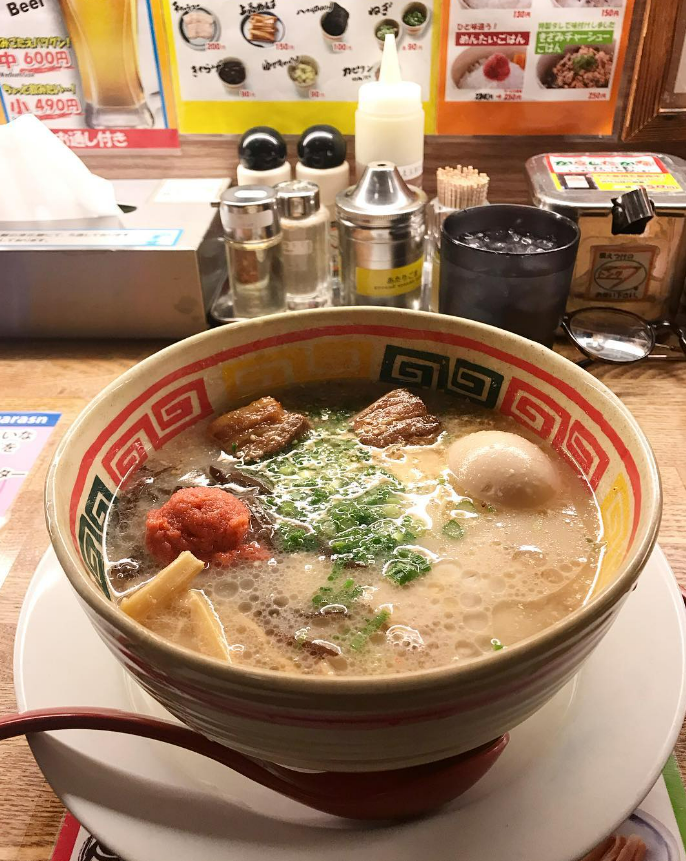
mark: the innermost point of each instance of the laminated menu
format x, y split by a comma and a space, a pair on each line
123, 73
516, 66
289, 62
22, 437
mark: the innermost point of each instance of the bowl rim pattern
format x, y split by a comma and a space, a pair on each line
536, 647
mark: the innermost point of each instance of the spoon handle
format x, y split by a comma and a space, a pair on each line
114, 720
381, 795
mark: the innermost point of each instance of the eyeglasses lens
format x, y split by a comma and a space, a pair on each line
611, 335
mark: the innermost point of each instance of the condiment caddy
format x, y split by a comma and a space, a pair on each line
631, 211
383, 240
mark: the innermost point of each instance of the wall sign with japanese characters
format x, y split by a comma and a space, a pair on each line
289, 63
90, 69
120, 73
514, 66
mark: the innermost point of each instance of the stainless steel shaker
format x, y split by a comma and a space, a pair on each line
381, 228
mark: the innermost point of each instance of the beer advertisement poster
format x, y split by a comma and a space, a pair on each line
92, 70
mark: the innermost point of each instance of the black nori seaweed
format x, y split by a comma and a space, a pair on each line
335, 20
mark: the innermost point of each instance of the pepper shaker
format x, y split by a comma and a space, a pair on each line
253, 238
305, 227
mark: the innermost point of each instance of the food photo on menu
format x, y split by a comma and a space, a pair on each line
342, 360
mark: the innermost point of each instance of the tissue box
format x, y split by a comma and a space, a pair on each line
151, 272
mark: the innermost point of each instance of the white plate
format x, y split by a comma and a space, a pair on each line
570, 775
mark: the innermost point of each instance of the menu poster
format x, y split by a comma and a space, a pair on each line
290, 63
22, 437
549, 67
90, 69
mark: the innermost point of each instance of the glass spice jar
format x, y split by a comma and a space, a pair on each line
253, 237
305, 227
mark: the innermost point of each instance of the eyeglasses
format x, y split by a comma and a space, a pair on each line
621, 337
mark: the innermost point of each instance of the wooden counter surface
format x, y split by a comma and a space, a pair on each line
64, 375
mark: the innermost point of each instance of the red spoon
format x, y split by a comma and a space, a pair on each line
399, 794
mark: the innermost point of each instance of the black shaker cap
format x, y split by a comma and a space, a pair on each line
262, 148
321, 147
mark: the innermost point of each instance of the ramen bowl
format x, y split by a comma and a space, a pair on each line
354, 723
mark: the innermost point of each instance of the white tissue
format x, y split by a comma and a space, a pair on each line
43, 180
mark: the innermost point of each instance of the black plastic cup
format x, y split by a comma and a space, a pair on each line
522, 293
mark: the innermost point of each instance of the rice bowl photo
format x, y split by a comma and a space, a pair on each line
578, 67
489, 69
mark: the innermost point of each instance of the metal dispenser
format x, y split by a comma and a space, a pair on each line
630, 208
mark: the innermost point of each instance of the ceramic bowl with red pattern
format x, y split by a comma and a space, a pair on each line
354, 723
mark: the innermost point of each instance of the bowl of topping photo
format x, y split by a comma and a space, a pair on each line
263, 29
386, 27
354, 540
232, 73
304, 71
489, 69
198, 27
415, 17
334, 23
578, 67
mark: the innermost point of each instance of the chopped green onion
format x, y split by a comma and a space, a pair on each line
496, 645
344, 596
288, 509
295, 538
584, 62
453, 530
405, 566
372, 626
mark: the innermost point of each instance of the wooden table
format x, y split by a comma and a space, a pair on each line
65, 375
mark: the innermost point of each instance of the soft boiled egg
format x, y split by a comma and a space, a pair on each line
503, 468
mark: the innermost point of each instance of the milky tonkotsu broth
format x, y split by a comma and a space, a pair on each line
479, 577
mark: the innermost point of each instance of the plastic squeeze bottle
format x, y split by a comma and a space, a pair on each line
389, 121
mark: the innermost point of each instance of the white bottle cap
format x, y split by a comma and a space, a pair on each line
390, 96
330, 181
246, 176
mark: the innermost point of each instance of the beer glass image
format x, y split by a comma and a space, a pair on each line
104, 34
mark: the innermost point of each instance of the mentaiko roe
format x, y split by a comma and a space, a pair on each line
208, 521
